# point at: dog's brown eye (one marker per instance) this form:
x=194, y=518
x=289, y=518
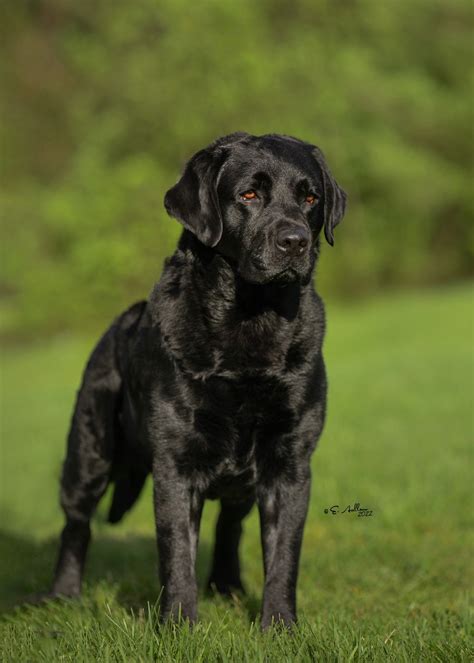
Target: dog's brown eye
x=311, y=199
x=249, y=195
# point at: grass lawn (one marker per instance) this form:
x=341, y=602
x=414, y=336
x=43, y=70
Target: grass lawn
x=389, y=587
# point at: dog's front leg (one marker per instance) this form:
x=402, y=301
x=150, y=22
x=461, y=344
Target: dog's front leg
x=283, y=507
x=178, y=509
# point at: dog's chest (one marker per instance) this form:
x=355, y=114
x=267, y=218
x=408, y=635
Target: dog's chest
x=235, y=417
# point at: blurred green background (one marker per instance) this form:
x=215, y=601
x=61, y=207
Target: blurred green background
x=102, y=103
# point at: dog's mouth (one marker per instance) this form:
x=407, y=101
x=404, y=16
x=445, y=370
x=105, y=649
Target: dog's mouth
x=261, y=274
x=287, y=275
x=257, y=269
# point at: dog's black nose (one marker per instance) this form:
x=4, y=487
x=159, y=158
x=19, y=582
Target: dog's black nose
x=292, y=241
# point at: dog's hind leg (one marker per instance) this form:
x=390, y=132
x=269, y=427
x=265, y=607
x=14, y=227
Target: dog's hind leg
x=87, y=468
x=225, y=572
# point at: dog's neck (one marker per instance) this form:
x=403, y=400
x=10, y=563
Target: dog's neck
x=221, y=287
x=213, y=321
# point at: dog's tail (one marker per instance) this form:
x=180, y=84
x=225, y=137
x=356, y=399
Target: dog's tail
x=126, y=492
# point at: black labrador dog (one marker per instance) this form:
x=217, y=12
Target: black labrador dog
x=216, y=384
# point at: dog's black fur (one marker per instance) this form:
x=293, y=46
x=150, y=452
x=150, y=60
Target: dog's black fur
x=216, y=384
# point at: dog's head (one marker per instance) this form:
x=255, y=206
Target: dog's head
x=260, y=201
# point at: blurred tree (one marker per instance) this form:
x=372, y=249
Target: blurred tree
x=102, y=103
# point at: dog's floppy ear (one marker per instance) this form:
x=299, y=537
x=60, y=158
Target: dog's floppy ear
x=334, y=198
x=193, y=199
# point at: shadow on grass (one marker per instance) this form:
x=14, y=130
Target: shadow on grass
x=127, y=564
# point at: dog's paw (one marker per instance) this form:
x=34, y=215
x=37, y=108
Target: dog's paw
x=64, y=591
x=40, y=598
x=225, y=587
x=179, y=613
x=278, y=619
